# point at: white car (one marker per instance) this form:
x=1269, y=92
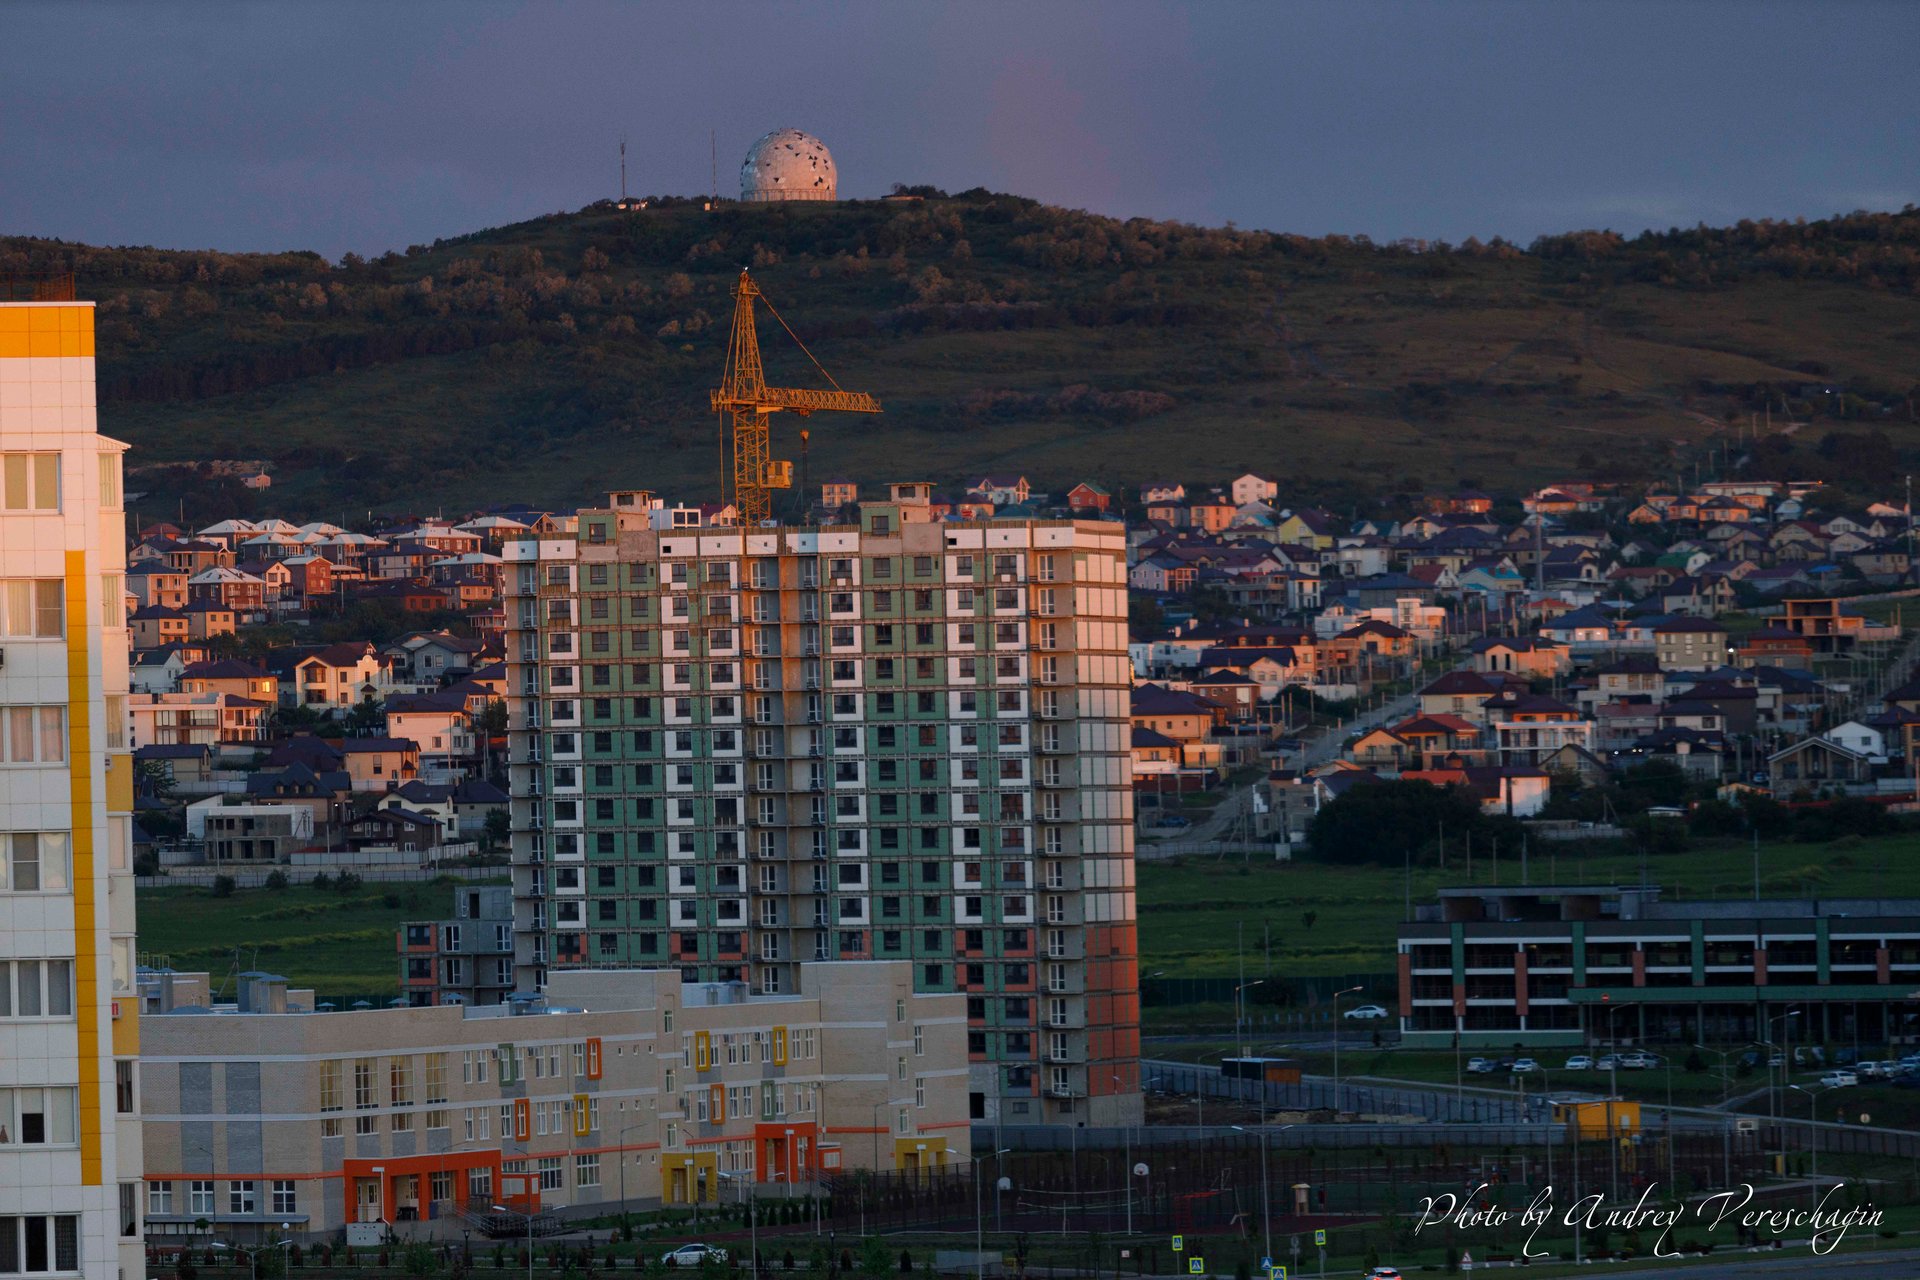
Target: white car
x=1368, y=1011
x=1578, y=1062
x=692, y=1255
x=1839, y=1079
x=1523, y=1066
x=1608, y=1062
x=1481, y=1066
x=1637, y=1061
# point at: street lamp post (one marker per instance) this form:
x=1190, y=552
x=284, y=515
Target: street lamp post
x=500, y=1208
x=1240, y=1013
x=1266, y=1204
x=1726, y=1081
x=1336, y=1052
x=980, y=1219
x=1813, y=1143
x=1786, y=1059
x=621, y=1155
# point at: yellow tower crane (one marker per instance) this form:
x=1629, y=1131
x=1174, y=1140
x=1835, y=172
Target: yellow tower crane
x=744, y=393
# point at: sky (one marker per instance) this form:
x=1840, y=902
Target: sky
x=364, y=127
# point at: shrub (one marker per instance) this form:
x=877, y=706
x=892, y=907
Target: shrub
x=277, y=881
x=223, y=886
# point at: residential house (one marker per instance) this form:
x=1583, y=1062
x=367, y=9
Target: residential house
x=1001, y=490
x=1689, y=644
x=1813, y=763
x=1253, y=488
x=439, y=724
x=1533, y=657
x=1529, y=727
x=1772, y=647
x=232, y=675
x=379, y=764
x=154, y=626
x=1088, y=496
x=229, y=588
x=1460, y=693
x=340, y=677
x=1162, y=492
x=839, y=492
x=157, y=584
x=199, y=719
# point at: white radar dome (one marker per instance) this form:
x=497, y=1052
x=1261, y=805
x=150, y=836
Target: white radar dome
x=789, y=165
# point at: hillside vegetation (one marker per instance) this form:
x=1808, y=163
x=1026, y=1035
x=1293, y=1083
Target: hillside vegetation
x=553, y=359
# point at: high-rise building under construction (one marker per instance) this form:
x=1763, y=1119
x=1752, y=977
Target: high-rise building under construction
x=738, y=749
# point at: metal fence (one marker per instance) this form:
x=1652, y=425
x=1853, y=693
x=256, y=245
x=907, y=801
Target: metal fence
x=1055, y=1179
x=1158, y=1076
x=255, y=877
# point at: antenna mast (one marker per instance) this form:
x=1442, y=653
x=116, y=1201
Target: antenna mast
x=623, y=170
x=713, y=159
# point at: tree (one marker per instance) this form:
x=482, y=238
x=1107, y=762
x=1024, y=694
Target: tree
x=497, y=829
x=153, y=778
x=1383, y=822
x=366, y=719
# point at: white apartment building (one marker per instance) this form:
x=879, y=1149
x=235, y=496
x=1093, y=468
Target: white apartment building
x=69, y=1032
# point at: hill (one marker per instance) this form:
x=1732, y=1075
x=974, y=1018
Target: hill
x=550, y=360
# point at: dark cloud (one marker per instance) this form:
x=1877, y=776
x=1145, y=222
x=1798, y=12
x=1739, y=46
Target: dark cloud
x=368, y=126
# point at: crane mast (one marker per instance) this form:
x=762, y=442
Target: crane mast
x=743, y=394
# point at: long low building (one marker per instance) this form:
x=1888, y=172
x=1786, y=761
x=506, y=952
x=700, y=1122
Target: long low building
x=613, y=1087
x=1571, y=965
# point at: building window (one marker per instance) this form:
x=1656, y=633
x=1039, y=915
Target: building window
x=35, y=1244
x=200, y=1198
x=36, y=989
x=919, y=1091
x=159, y=1199
x=35, y=862
x=285, y=1200
x=123, y=1099
x=586, y=1170
x=552, y=1175
x=32, y=607
x=36, y=1117
x=33, y=735
x=240, y=1198
x=29, y=482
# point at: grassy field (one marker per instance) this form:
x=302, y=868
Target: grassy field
x=338, y=944
x=1194, y=912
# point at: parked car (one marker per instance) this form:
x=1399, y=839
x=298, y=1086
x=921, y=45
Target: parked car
x=1383, y=1273
x=1839, y=1079
x=1608, y=1062
x=1481, y=1066
x=1364, y=1011
x=1524, y=1066
x=1776, y=1060
x=1870, y=1069
x=692, y=1255
x=1640, y=1061
x=1579, y=1062
x=1175, y=820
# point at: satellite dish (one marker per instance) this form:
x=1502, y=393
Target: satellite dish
x=1005, y=1184
x=1140, y=1170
